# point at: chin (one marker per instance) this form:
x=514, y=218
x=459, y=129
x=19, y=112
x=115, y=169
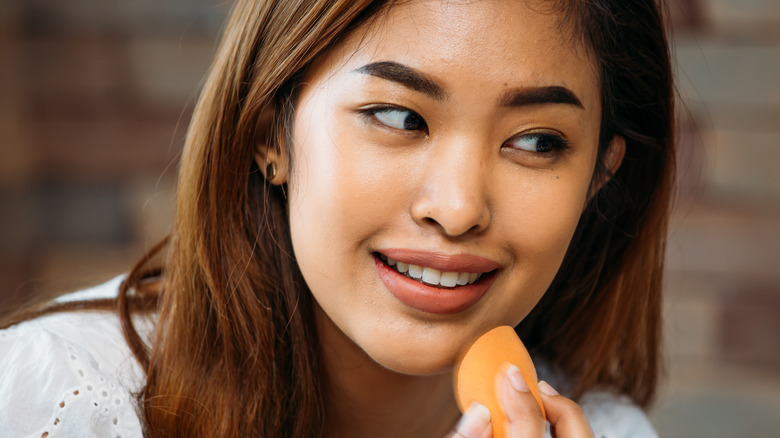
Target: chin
x=414, y=360
x=419, y=367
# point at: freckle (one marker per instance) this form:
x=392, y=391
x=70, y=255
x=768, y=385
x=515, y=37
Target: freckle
x=556, y=176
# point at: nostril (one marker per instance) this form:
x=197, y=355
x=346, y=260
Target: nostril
x=453, y=215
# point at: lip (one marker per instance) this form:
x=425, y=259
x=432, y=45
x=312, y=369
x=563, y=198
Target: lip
x=442, y=262
x=431, y=299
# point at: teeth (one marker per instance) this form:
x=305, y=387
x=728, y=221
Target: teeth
x=449, y=279
x=432, y=276
x=415, y=271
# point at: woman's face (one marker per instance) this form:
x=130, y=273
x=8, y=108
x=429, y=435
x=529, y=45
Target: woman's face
x=456, y=138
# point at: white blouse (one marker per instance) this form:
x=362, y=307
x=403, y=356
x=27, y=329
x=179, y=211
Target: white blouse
x=73, y=375
x=69, y=375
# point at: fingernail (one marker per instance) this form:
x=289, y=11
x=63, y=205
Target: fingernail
x=516, y=378
x=474, y=421
x=547, y=389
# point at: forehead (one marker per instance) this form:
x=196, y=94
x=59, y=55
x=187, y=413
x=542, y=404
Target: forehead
x=505, y=43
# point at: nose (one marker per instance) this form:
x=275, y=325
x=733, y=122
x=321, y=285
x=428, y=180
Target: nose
x=453, y=196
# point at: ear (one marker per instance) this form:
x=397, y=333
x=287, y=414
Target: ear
x=612, y=159
x=271, y=158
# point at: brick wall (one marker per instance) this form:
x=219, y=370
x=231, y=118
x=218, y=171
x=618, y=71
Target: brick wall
x=723, y=286
x=95, y=100
x=95, y=97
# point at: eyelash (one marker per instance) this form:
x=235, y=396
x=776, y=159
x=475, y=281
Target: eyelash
x=371, y=114
x=556, y=142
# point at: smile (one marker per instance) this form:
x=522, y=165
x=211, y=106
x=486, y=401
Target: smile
x=432, y=276
x=433, y=282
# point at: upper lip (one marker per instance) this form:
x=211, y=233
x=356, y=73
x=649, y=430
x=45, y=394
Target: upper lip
x=441, y=262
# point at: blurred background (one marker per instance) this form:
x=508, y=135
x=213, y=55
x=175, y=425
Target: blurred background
x=96, y=95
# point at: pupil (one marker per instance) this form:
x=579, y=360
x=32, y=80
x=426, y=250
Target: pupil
x=544, y=144
x=412, y=122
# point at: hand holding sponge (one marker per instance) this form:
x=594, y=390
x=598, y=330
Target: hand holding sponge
x=475, y=375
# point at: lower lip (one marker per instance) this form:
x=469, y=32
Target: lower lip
x=430, y=299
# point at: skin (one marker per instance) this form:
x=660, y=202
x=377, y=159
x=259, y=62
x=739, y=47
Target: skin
x=358, y=185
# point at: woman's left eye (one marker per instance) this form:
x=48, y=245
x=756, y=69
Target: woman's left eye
x=538, y=142
x=398, y=118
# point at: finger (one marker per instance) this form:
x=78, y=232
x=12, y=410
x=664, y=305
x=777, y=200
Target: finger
x=524, y=417
x=565, y=416
x=474, y=423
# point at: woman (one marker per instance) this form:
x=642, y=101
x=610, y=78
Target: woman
x=366, y=188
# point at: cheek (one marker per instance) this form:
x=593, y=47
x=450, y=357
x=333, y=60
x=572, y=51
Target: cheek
x=313, y=193
x=340, y=193
x=538, y=222
x=336, y=193
x=551, y=215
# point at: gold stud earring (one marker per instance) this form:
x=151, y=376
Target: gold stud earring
x=270, y=171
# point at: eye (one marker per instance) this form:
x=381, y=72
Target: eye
x=538, y=142
x=398, y=118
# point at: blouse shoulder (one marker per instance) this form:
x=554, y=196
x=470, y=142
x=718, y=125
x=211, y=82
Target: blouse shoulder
x=610, y=415
x=69, y=374
x=615, y=416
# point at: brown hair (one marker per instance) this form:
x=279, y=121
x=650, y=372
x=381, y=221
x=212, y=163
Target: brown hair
x=600, y=319
x=234, y=352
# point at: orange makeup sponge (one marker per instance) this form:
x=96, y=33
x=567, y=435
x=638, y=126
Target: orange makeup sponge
x=489, y=356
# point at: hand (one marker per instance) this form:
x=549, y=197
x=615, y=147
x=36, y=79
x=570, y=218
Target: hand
x=524, y=417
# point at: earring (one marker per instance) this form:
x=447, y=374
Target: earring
x=270, y=171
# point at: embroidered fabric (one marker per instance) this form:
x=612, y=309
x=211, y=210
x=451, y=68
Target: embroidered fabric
x=609, y=415
x=69, y=375
x=73, y=375
x=616, y=416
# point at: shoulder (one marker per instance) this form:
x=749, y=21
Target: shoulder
x=69, y=374
x=615, y=416
x=610, y=415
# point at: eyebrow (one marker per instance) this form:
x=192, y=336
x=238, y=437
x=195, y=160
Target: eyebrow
x=419, y=81
x=540, y=95
x=406, y=76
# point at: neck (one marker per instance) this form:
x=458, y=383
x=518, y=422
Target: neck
x=365, y=399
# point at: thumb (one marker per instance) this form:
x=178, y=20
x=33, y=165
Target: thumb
x=566, y=417
x=475, y=423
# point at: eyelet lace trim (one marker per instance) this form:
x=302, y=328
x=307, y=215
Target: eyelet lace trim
x=94, y=397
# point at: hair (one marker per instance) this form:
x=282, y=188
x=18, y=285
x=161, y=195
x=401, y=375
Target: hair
x=599, y=320
x=235, y=351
